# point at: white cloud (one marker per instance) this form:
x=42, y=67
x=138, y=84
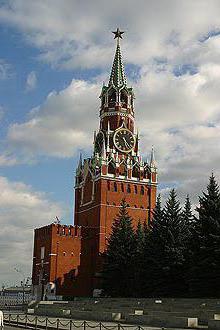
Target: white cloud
x=1, y=112
x=63, y=124
x=31, y=81
x=74, y=34
x=5, y=70
x=8, y=160
x=22, y=209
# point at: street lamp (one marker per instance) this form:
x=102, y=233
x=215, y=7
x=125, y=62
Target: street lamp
x=24, y=284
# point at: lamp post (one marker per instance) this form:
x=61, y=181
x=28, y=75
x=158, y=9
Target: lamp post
x=24, y=284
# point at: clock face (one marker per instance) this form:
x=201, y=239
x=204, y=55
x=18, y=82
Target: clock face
x=124, y=140
x=99, y=142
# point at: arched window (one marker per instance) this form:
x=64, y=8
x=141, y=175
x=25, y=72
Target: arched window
x=108, y=185
x=142, y=190
x=112, y=97
x=115, y=186
x=124, y=98
x=135, y=189
x=128, y=188
x=103, y=101
x=123, y=170
x=122, y=187
x=111, y=168
x=135, y=172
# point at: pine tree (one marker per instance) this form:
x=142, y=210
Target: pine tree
x=138, y=259
x=150, y=270
x=187, y=212
x=118, y=268
x=204, y=275
x=175, y=231
x=158, y=215
x=139, y=238
x=187, y=222
x=165, y=252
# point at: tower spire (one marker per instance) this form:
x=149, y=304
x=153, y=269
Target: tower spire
x=117, y=77
x=152, y=158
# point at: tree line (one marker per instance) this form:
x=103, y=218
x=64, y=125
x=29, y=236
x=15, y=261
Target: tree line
x=177, y=254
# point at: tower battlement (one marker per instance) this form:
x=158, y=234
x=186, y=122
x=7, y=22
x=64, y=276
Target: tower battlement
x=59, y=230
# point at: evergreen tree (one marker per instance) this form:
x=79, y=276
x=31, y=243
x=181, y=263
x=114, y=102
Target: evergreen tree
x=150, y=270
x=187, y=222
x=158, y=215
x=204, y=275
x=138, y=259
x=165, y=251
x=139, y=238
x=176, y=232
x=118, y=268
x=187, y=212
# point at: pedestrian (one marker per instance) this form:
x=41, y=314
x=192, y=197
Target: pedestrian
x=1, y=319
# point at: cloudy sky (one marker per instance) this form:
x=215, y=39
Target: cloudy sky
x=54, y=57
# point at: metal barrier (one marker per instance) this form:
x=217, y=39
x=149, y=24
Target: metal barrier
x=46, y=323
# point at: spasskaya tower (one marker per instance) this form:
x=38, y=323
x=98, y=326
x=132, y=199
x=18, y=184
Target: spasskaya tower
x=116, y=169
x=67, y=259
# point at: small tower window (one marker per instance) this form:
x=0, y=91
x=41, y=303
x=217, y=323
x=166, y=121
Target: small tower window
x=142, y=190
x=135, y=190
x=112, y=97
x=115, y=187
x=64, y=253
x=108, y=185
x=111, y=168
x=135, y=172
x=124, y=98
x=129, y=189
x=122, y=187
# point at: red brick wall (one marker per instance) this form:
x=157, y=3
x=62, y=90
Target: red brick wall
x=101, y=212
x=62, y=256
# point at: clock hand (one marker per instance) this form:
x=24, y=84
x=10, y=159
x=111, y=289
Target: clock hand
x=126, y=143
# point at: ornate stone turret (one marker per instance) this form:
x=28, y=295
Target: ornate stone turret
x=116, y=144
x=116, y=98
x=116, y=170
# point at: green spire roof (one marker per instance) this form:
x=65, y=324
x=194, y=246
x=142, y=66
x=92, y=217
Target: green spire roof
x=118, y=78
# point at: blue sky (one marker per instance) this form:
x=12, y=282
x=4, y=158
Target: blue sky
x=54, y=56
x=51, y=175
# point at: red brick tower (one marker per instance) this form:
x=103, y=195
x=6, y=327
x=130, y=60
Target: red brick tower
x=68, y=260
x=116, y=169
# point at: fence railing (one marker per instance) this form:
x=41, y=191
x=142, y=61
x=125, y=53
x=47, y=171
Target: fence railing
x=12, y=307
x=37, y=322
